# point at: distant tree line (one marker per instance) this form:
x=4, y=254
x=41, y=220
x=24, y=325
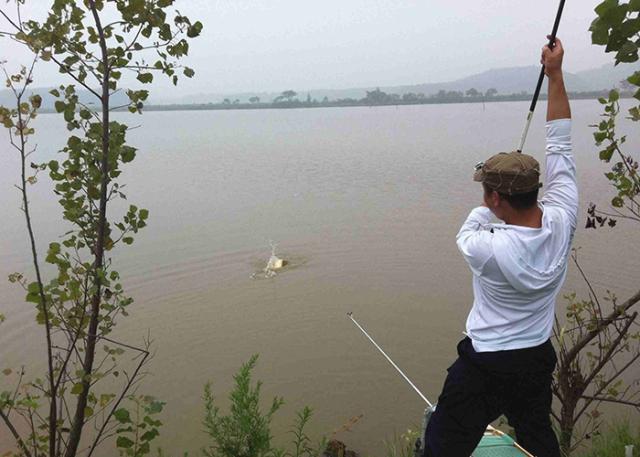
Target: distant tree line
x=376, y=97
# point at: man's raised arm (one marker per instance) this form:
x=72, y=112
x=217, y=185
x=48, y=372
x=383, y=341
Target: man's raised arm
x=560, y=174
x=558, y=106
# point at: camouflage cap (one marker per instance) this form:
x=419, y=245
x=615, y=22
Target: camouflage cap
x=509, y=173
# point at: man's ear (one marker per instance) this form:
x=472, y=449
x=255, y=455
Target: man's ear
x=495, y=198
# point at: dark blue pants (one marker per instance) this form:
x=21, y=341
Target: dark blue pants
x=481, y=386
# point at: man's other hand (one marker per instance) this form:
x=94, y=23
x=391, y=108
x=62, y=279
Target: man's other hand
x=552, y=58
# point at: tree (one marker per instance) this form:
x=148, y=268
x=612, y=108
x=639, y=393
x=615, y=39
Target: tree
x=472, y=92
x=599, y=341
x=409, y=97
x=254, y=100
x=376, y=97
x=287, y=95
x=491, y=93
x=617, y=27
x=79, y=305
x=226, y=101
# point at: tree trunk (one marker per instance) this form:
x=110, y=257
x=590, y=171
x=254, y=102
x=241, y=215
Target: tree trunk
x=79, y=416
x=566, y=428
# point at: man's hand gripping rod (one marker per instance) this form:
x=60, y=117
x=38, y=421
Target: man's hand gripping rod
x=534, y=102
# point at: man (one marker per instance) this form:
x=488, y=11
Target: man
x=506, y=363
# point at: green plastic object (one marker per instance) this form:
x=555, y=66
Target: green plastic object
x=497, y=446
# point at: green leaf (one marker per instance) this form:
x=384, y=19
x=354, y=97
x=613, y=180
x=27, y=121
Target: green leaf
x=155, y=407
x=600, y=136
x=77, y=389
x=628, y=52
x=606, y=154
x=145, y=77
x=60, y=106
x=127, y=240
x=188, y=72
x=149, y=435
x=53, y=166
x=606, y=6
x=105, y=399
x=54, y=248
x=194, y=30
x=614, y=95
x=33, y=288
x=36, y=101
x=144, y=214
x=634, y=78
x=124, y=442
x=599, y=33
x=617, y=202
x=122, y=416
x=127, y=154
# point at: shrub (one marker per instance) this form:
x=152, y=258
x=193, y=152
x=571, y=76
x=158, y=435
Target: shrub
x=246, y=430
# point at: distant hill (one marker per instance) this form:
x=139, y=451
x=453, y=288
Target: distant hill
x=505, y=80
x=523, y=79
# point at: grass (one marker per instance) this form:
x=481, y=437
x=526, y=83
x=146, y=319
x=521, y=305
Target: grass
x=611, y=442
x=401, y=445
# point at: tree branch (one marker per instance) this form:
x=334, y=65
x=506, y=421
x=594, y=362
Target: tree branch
x=15, y=433
x=131, y=380
x=36, y=264
x=602, y=323
x=606, y=358
x=606, y=384
x=75, y=78
x=612, y=400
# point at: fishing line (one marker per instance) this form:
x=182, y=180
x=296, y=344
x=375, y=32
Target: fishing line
x=536, y=94
x=406, y=378
x=430, y=406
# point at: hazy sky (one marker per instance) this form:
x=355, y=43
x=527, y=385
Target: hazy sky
x=273, y=45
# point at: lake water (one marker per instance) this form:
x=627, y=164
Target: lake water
x=364, y=202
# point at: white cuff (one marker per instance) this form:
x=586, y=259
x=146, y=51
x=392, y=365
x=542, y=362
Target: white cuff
x=558, y=135
x=481, y=214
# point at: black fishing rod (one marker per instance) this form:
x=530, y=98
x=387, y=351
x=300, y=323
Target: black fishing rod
x=536, y=94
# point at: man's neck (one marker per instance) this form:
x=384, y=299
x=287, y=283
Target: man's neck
x=529, y=218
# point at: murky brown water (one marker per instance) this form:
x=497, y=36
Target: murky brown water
x=364, y=202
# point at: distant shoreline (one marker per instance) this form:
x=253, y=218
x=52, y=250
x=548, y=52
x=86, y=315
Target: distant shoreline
x=450, y=99
x=346, y=103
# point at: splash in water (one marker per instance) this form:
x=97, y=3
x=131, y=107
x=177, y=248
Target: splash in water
x=274, y=264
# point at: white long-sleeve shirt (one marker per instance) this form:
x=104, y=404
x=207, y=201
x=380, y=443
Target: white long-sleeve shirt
x=518, y=271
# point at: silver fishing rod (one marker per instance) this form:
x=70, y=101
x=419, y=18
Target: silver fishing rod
x=536, y=94
x=389, y=360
